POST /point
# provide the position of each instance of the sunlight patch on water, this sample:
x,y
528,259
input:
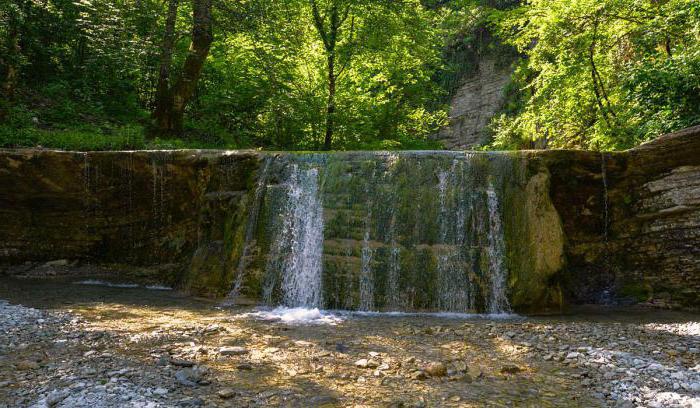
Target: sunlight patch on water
x,y
96,282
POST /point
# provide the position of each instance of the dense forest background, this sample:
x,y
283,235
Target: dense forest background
x,y
341,74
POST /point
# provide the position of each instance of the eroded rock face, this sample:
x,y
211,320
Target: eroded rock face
x,y
133,208
406,230
474,104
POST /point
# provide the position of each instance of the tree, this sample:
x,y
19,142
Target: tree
x,y
588,65
330,27
172,100
10,54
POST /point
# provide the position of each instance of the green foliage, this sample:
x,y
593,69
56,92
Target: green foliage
x,y
600,74
92,66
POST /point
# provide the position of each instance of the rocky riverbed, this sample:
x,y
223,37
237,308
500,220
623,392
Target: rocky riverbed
x,y
67,345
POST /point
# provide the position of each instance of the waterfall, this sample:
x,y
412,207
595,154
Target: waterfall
x,y
299,243
375,231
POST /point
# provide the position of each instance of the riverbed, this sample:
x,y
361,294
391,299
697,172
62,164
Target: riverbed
x,y
67,343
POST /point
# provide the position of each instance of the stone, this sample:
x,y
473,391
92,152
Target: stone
x,y
233,351
160,391
26,365
365,363
226,393
510,369
188,376
323,400
436,369
180,363
58,262
55,397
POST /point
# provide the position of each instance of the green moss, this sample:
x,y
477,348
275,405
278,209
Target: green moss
x,y
639,291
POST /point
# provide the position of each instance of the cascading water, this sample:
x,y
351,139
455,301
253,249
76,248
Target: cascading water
x,y
377,231
298,246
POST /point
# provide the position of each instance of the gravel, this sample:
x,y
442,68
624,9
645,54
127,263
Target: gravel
x,y
60,359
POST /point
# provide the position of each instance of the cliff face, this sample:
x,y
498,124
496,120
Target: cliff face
x,y
575,226
475,102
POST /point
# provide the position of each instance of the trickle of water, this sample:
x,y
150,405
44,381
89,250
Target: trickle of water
x,y
498,302
453,284
366,277
604,176
251,222
393,279
301,266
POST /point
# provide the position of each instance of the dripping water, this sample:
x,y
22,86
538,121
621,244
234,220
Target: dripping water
x,y
498,302
366,278
604,176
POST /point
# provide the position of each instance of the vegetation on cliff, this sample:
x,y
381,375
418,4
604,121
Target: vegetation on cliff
x,y
340,74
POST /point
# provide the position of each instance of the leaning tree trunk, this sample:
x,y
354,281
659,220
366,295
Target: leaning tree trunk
x,y
183,89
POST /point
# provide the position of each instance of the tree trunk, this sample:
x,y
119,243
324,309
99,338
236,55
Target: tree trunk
x,y
183,89
163,101
9,83
330,109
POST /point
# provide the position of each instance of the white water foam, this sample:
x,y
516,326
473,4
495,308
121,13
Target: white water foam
x,y
304,316
295,315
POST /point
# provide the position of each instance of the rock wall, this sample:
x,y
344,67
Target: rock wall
x,y
632,222
473,105
130,208
629,221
